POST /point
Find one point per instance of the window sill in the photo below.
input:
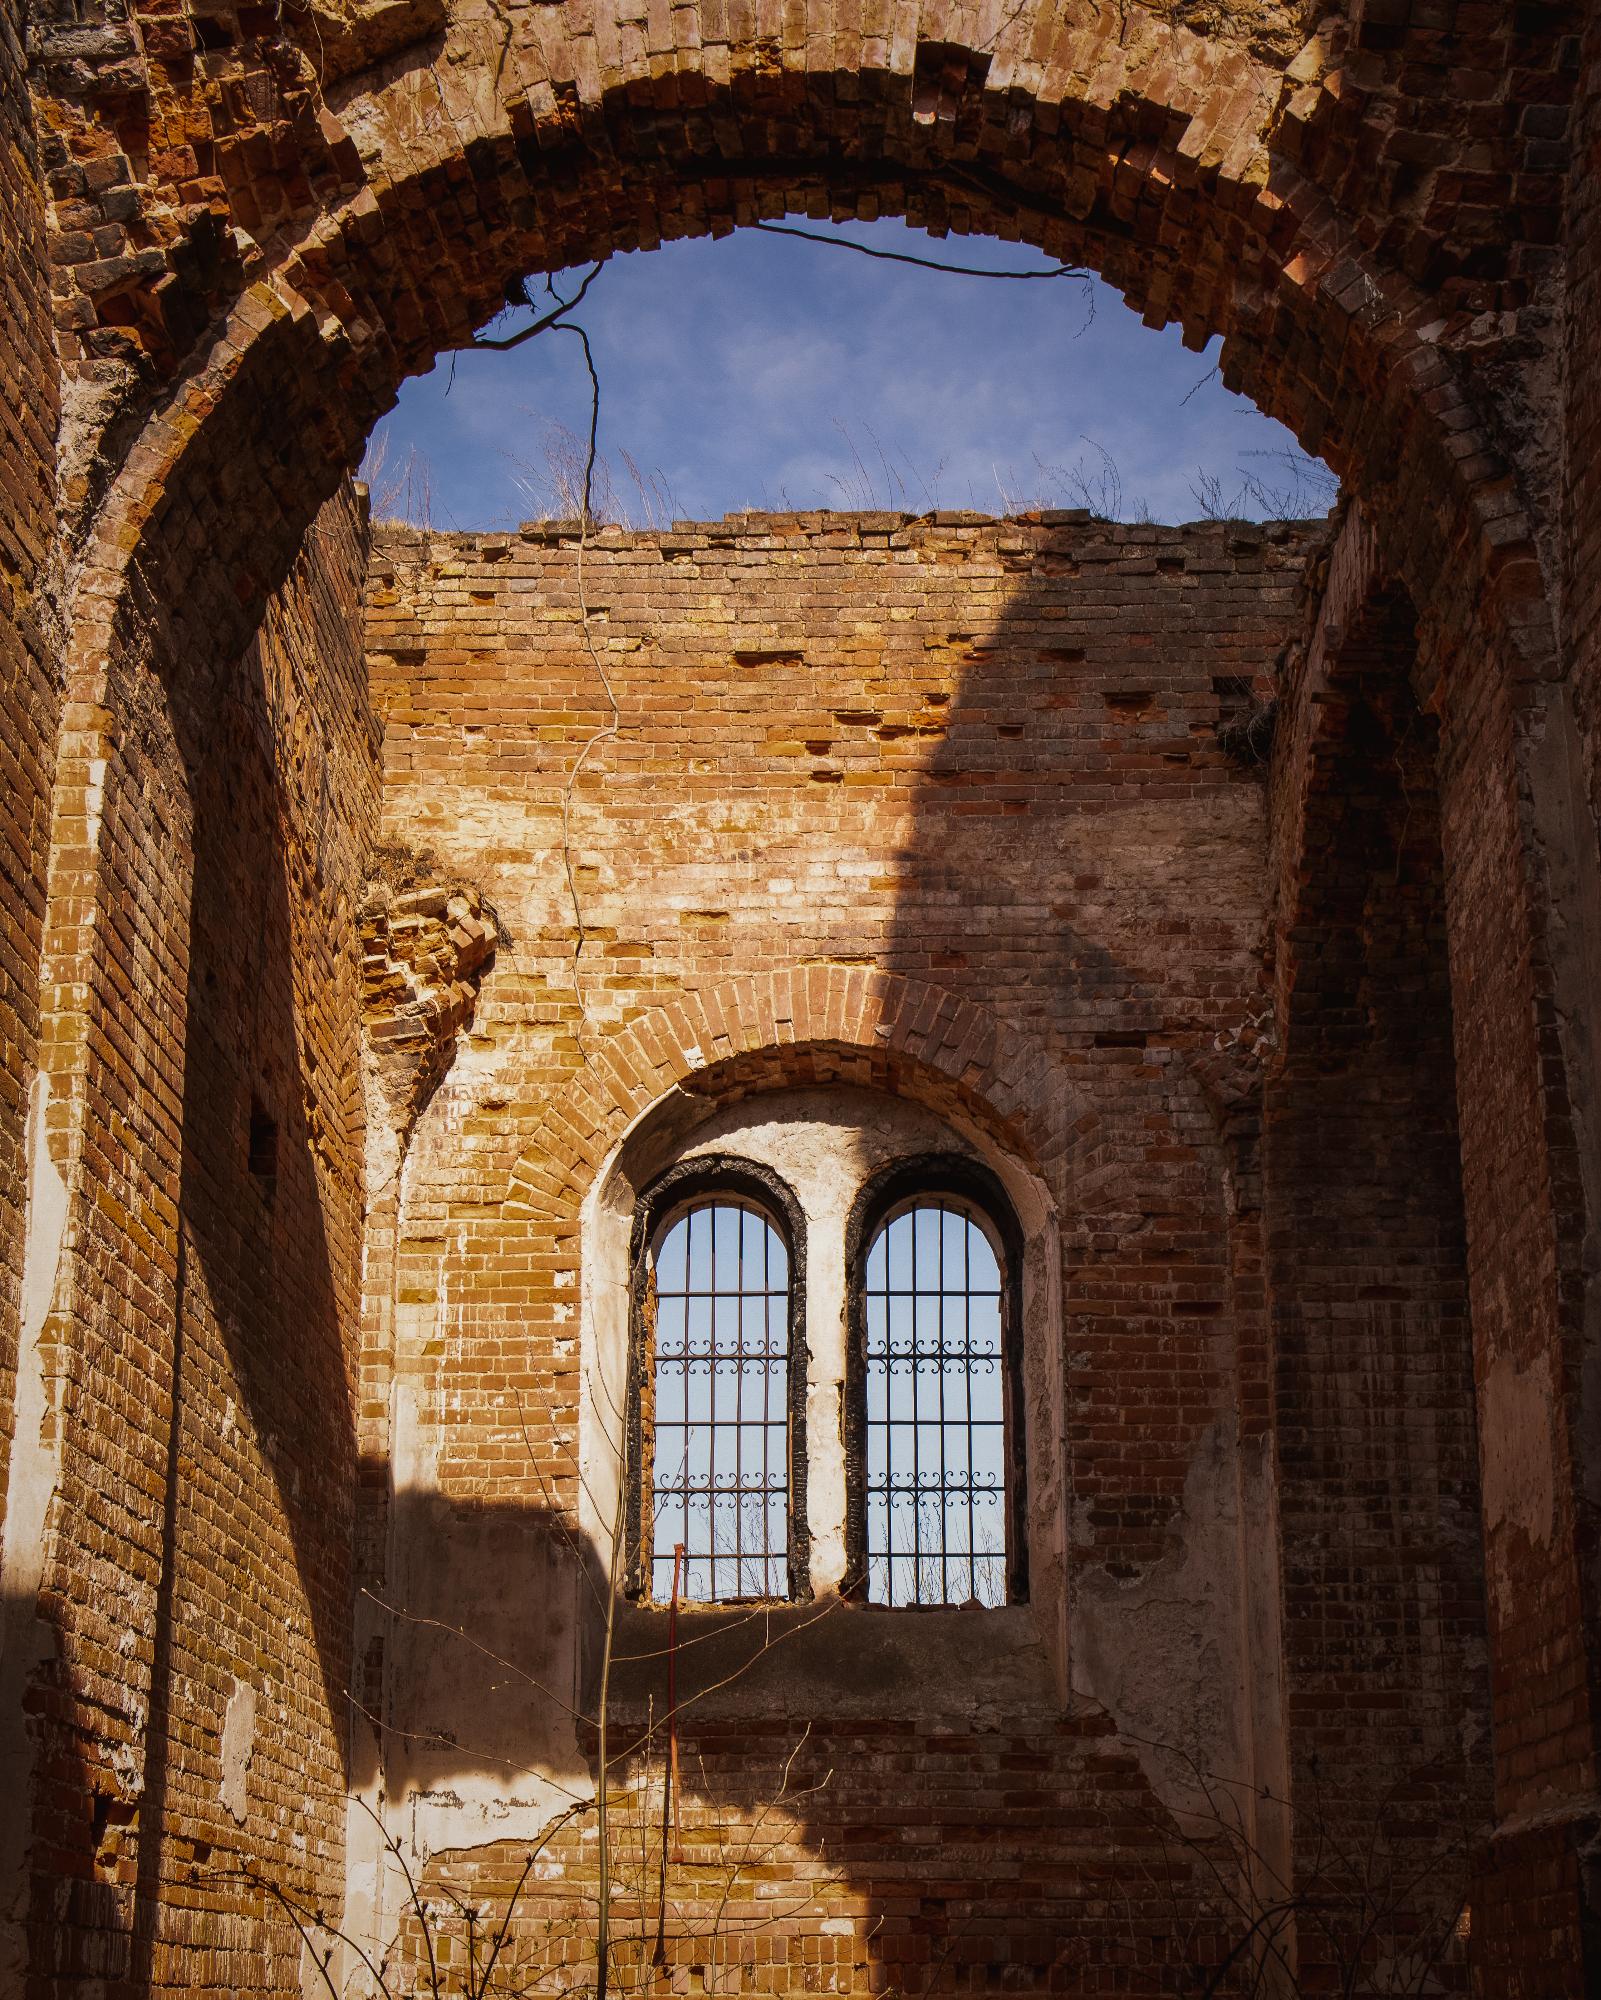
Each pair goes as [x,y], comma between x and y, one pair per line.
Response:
[831,1658]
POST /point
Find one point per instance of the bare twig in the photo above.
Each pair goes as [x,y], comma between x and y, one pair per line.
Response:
[607,729]
[906,257]
[503,344]
[489,1653]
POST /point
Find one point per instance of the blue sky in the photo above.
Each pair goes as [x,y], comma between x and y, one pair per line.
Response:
[760,371]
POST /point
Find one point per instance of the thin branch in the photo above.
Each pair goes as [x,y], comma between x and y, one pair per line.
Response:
[440,1742]
[489,1653]
[294,1915]
[1274,1914]
[575,1547]
[504,343]
[260,1881]
[411,1883]
[906,257]
[607,729]
[716,1687]
[545,1838]
[702,1638]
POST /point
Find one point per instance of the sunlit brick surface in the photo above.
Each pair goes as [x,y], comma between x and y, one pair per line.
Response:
[973,808]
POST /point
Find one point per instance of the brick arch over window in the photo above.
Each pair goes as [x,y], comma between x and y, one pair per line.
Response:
[797,1026]
[1201,180]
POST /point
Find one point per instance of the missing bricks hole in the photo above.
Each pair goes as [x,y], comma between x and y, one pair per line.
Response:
[262,1157]
[1246,737]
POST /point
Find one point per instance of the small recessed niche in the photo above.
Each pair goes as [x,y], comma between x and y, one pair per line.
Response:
[262,1157]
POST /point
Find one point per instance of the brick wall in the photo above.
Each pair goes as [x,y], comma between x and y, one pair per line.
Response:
[1582,457]
[881,797]
[241,236]
[984,757]
[1524,807]
[1375,1424]
[185,1647]
[254,1610]
[29,694]
[1523,1109]
[888,1856]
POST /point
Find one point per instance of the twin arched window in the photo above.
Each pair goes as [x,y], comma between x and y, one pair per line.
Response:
[718,1455]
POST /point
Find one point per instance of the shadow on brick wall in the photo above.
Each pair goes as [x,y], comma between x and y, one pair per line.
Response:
[252,1639]
[1079,847]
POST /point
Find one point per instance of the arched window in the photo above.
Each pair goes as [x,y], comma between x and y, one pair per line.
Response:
[717,1389]
[936,1470]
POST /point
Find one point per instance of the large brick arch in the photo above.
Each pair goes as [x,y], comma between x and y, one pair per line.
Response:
[1204,181]
[1287,198]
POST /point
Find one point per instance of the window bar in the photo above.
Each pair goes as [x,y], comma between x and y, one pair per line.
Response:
[767,1413]
[741,1571]
[944,1496]
[917,1455]
[887,1516]
[713,1568]
[789,1430]
[689,1370]
[967,1415]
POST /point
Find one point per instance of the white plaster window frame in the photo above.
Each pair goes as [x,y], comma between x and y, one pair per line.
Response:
[825,1143]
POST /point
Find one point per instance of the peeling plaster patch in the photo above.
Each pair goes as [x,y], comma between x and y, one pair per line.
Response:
[27,1642]
[310,1973]
[1162,1654]
[1515,1422]
[238,1747]
[47,1214]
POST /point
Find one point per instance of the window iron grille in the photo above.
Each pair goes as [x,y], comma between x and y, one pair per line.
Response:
[719,1431]
[934,1418]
